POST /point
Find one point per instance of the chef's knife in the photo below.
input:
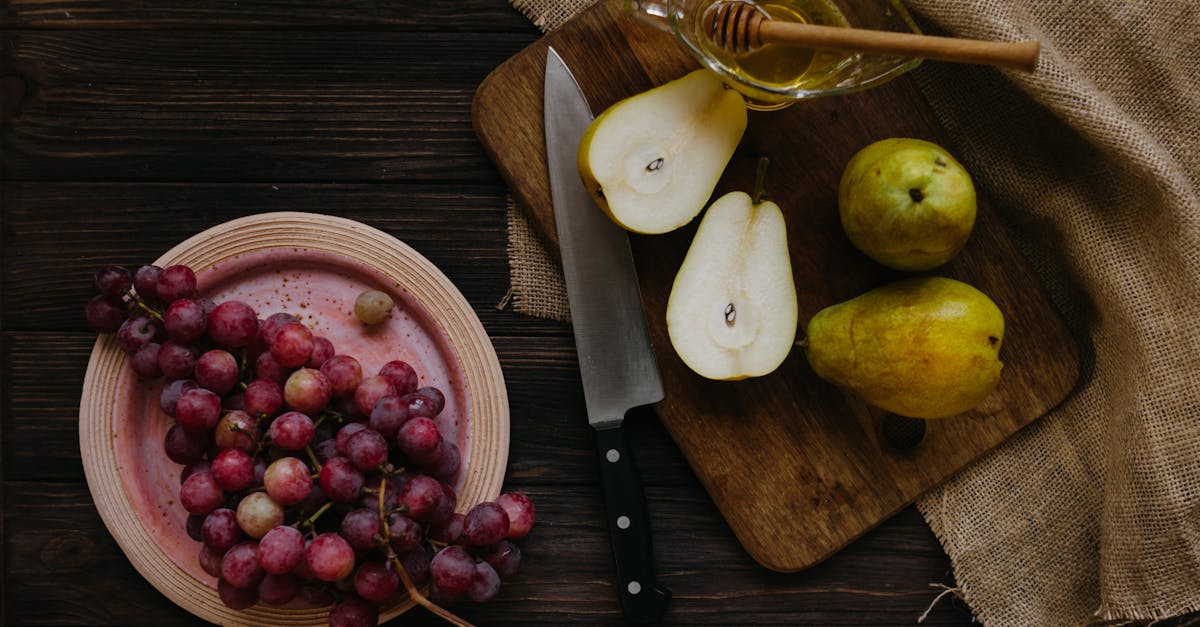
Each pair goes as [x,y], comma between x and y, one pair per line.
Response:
[616,359]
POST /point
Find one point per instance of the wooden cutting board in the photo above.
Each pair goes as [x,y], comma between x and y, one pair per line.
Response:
[798,468]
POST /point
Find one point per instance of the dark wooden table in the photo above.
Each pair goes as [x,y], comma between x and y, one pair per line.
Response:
[126,127]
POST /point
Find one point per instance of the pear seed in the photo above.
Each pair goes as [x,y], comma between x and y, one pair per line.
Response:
[730,315]
[655,165]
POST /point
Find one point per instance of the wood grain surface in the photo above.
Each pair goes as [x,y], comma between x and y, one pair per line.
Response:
[99,164]
[798,468]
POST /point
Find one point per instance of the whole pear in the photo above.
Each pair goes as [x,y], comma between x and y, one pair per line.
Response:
[906,203]
[926,347]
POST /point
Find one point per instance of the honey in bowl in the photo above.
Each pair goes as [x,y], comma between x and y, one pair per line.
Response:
[782,67]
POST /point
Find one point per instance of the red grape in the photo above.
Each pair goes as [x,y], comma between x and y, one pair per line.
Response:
[435,395]
[176,282]
[232,324]
[145,281]
[370,391]
[169,397]
[445,507]
[504,556]
[404,533]
[233,470]
[374,581]
[419,405]
[521,513]
[273,323]
[240,566]
[452,570]
[367,450]
[352,611]
[387,416]
[104,314]
[193,468]
[263,398]
[279,589]
[325,450]
[293,345]
[217,370]
[484,524]
[321,352]
[485,584]
[422,495]
[210,560]
[198,410]
[112,281]
[291,431]
[200,493]
[449,531]
[194,525]
[340,480]
[416,563]
[236,430]
[307,390]
[267,367]
[220,530]
[330,557]
[281,549]
[344,374]
[401,375]
[420,441]
[258,513]
[288,481]
[145,361]
[359,528]
[177,361]
[344,434]
[448,463]
[184,320]
[184,447]
[236,598]
[138,331]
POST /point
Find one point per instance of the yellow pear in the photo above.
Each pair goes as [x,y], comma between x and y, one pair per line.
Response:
[906,203]
[923,348]
[651,161]
[732,311]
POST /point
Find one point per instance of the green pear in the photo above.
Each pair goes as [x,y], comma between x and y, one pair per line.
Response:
[906,203]
[923,348]
[651,161]
[732,311]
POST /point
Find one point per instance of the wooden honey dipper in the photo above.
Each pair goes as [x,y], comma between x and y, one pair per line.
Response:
[740,27]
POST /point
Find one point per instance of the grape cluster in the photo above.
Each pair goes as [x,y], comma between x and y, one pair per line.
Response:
[302,476]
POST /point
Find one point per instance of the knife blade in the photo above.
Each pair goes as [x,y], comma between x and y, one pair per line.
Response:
[616,358]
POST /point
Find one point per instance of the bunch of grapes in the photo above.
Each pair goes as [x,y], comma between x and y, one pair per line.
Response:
[302,477]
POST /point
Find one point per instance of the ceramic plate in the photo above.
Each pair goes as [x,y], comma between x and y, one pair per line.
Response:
[312,266]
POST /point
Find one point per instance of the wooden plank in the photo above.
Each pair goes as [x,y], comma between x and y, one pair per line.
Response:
[798,468]
[459,227]
[550,440]
[460,16]
[65,568]
[269,106]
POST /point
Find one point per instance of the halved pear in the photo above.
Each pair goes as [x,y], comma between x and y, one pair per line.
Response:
[732,311]
[652,160]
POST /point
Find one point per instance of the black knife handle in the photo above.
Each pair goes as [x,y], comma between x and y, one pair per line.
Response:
[643,600]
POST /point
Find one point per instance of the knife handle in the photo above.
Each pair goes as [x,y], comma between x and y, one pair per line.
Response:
[643,600]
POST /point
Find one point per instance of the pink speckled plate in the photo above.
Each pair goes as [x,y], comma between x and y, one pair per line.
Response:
[312,266]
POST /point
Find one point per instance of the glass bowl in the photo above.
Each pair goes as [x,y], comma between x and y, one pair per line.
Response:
[773,77]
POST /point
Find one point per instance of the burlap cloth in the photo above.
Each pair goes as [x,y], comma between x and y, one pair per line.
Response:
[1093,512]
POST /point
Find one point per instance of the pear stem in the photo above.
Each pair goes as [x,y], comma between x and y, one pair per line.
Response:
[802,343]
[760,179]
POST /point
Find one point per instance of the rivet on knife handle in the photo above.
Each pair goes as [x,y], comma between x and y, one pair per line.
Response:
[643,599]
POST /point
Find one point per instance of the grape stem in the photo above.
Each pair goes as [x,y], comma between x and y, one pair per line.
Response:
[413,593]
[312,520]
[312,457]
[150,311]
